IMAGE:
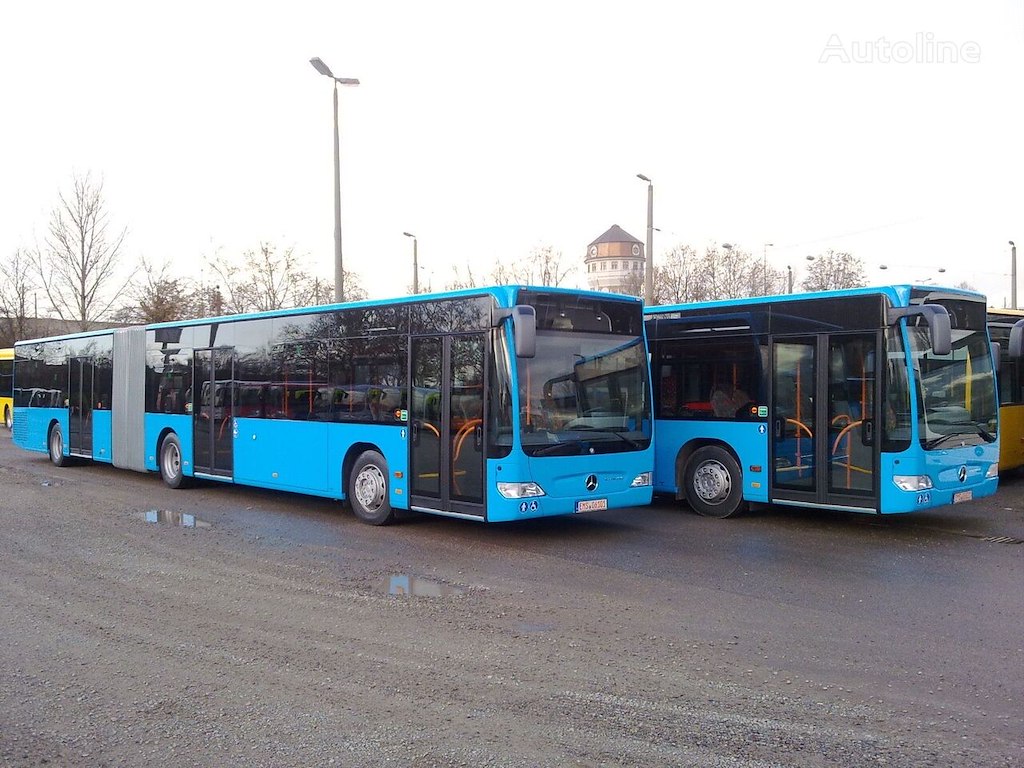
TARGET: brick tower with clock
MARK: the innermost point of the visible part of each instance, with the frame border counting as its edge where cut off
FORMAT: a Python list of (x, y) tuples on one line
[(615, 262)]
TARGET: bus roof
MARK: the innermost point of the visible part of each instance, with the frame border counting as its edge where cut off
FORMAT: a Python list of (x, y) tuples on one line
[(898, 294), (503, 295)]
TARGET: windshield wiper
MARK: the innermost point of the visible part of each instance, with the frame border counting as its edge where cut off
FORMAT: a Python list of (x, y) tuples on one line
[(611, 431), (937, 441), (987, 436), (548, 449), (983, 433)]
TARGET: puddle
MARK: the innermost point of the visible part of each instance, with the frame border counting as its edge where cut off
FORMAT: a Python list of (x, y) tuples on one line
[(404, 585), (166, 517)]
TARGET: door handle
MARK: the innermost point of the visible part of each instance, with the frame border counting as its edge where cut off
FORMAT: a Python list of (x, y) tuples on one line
[(415, 432), (478, 436)]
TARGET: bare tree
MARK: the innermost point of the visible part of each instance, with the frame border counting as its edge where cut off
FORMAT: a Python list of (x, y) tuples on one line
[(633, 285), (15, 288), (833, 270), (673, 278), (544, 266), (459, 282), (266, 279), (158, 297), (81, 258), (547, 266)]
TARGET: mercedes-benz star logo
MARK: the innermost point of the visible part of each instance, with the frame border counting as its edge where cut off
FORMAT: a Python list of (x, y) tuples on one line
[(962, 474), (591, 482)]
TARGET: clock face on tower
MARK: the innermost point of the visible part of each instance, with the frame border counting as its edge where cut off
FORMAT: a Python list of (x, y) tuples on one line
[(636, 249), (593, 250)]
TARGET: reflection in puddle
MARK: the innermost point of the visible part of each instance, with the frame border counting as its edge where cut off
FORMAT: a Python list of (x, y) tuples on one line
[(166, 517), (404, 585)]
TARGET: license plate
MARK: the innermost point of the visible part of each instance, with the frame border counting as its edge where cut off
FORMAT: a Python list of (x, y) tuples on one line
[(962, 496), (591, 505)]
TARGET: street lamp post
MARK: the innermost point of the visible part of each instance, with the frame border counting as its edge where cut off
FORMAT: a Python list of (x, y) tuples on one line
[(649, 261), (339, 272), (764, 263), (789, 278), (415, 265), (1013, 275)]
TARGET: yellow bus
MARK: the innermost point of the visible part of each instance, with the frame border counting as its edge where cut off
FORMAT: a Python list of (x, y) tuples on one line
[(1011, 389), (7, 386)]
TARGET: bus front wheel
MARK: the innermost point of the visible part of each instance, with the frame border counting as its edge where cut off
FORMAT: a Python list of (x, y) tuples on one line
[(368, 489), (713, 482), (8, 418), (56, 446), (170, 462)]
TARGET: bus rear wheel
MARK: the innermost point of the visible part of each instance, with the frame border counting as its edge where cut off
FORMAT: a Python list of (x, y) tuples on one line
[(8, 418), (713, 482), (55, 443), (170, 462), (368, 489)]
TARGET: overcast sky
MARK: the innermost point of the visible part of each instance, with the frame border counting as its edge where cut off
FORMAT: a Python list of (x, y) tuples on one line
[(891, 130)]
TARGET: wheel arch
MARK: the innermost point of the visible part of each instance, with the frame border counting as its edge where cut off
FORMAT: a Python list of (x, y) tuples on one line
[(354, 452), (160, 446), (687, 450)]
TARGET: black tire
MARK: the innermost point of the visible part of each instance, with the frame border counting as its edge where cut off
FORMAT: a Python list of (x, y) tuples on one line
[(55, 444), (170, 462), (368, 489), (713, 483), (8, 418)]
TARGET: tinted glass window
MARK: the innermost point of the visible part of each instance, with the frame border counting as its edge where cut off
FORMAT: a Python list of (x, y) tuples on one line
[(367, 380), (168, 372), (719, 378), (560, 312)]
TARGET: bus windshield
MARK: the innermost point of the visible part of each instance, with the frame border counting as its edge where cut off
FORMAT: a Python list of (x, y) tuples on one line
[(584, 393), (956, 397)]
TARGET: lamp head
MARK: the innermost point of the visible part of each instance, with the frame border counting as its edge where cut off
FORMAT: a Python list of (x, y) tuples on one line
[(643, 178), (319, 66)]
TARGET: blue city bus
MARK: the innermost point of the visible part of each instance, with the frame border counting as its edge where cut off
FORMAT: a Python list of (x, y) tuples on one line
[(490, 404), (877, 400)]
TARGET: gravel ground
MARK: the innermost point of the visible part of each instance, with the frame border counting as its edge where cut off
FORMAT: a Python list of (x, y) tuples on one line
[(266, 636)]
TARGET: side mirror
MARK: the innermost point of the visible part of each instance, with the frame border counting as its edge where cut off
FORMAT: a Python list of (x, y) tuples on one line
[(524, 327), (1017, 340), (939, 330)]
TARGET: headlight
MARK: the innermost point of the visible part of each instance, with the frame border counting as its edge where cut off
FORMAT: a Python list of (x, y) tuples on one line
[(993, 471), (644, 478), (912, 482), (519, 490)]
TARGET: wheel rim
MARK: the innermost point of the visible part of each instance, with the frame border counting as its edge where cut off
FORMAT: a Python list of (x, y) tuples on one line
[(56, 445), (712, 482), (172, 460), (8, 419), (369, 488)]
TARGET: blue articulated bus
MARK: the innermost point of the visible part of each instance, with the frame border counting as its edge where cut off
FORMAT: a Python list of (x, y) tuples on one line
[(491, 404), (877, 400)]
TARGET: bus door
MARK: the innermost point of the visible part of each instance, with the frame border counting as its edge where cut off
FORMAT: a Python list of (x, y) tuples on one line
[(213, 411), (446, 423), (824, 425), (80, 402)]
